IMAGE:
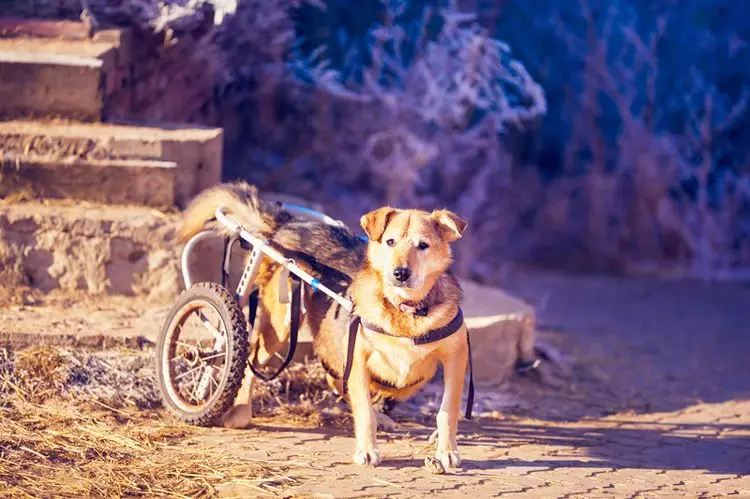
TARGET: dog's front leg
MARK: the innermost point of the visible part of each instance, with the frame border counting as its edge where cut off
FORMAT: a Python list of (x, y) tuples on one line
[(454, 370), (364, 414)]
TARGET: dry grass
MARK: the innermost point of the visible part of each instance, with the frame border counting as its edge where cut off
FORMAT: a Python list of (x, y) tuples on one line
[(62, 434), (47, 451)]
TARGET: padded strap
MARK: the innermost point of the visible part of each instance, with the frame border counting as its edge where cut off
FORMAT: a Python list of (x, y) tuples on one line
[(353, 330), (431, 336), (296, 307)]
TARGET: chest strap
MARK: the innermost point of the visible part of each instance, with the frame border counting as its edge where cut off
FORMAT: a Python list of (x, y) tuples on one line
[(432, 336), (373, 377)]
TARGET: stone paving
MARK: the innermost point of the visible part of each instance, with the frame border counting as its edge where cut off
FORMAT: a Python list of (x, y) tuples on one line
[(659, 406), (703, 451)]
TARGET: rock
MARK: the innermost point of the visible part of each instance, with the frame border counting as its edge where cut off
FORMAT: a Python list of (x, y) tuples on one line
[(502, 329)]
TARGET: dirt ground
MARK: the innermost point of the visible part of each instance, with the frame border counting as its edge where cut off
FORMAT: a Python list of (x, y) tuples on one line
[(658, 404)]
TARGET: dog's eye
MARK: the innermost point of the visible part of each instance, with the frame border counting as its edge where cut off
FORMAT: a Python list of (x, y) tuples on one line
[(423, 245), (390, 242)]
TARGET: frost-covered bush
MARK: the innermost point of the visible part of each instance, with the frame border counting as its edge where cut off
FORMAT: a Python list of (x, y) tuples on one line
[(424, 95)]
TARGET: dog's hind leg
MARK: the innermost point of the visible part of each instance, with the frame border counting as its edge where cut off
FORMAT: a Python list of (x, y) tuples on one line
[(267, 342), (241, 414), (384, 421)]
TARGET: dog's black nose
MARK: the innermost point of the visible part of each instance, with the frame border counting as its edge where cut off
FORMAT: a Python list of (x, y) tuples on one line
[(402, 274)]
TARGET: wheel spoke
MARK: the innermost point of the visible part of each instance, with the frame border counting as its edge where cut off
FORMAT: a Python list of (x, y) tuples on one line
[(214, 356), (216, 333), (196, 384), (212, 381), (187, 372)]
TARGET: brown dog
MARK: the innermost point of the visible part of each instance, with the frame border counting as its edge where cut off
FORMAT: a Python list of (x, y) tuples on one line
[(400, 284)]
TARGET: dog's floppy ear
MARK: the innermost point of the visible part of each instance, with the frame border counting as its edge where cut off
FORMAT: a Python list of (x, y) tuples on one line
[(450, 225), (376, 221)]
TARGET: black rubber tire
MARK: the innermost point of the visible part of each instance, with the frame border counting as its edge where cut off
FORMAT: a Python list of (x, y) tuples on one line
[(237, 352)]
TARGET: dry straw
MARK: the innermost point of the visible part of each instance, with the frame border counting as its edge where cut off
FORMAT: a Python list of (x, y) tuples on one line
[(58, 439)]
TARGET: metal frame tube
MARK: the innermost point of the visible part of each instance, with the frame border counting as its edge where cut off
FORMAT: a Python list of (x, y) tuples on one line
[(186, 254), (261, 247), (278, 257), (310, 213)]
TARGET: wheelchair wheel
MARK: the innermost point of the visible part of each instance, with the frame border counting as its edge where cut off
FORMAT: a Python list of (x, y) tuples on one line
[(201, 354)]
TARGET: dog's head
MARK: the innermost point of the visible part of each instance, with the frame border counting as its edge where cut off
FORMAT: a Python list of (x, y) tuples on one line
[(409, 247)]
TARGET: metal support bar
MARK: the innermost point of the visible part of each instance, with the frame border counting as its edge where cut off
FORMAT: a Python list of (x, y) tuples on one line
[(278, 257), (315, 215), (186, 254), (245, 286)]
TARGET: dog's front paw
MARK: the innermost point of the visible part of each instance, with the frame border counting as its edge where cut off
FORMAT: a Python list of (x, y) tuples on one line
[(239, 416), (448, 458), (367, 457)]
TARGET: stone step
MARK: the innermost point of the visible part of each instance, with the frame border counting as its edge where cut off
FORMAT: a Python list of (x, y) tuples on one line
[(114, 181), (89, 247), (196, 152), (67, 75)]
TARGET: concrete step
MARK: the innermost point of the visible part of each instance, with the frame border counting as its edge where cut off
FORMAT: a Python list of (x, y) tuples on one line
[(89, 247), (113, 181), (194, 155), (54, 69)]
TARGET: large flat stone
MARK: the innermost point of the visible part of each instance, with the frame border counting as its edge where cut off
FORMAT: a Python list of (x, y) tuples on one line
[(43, 28), (502, 329)]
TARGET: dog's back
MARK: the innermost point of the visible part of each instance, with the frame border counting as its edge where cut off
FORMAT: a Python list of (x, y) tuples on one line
[(331, 251)]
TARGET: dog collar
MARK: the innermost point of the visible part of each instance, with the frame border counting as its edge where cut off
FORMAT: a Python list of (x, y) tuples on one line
[(420, 309)]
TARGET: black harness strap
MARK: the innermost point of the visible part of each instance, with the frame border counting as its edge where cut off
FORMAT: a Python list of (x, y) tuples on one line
[(373, 377), (431, 337), (353, 328), (470, 396), (296, 308), (228, 244)]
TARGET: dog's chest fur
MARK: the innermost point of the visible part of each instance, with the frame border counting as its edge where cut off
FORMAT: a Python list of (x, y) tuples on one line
[(398, 359)]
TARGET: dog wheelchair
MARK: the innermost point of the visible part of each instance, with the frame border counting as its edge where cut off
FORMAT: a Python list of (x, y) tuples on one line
[(199, 381), (203, 347)]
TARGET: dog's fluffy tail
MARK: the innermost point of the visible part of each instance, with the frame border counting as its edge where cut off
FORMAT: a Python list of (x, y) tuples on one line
[(240, 201)]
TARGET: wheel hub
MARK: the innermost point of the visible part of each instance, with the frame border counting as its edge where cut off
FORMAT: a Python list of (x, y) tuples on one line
[(191, 356)]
